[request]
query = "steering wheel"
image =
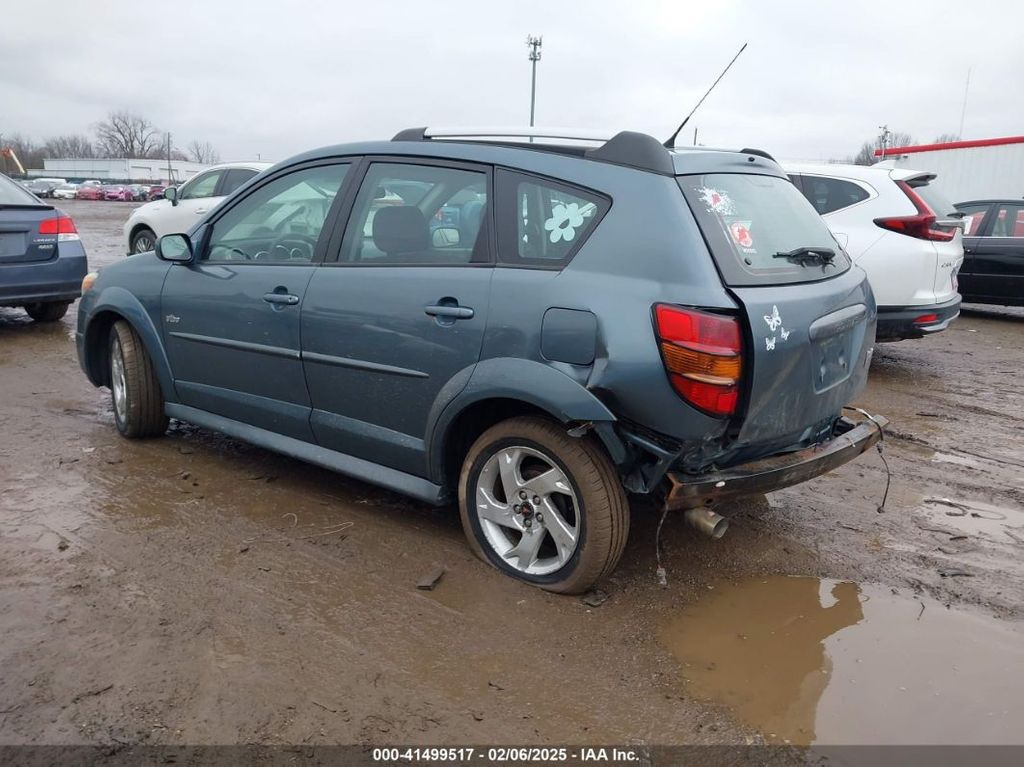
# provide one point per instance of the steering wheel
(288, 242)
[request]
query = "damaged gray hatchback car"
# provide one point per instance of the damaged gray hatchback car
(534, 328)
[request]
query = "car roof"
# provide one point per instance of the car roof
(249, 165)
(861, 172)
(994, 201)
(513, 147)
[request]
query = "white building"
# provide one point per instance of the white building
(968, 170)
(118, 170)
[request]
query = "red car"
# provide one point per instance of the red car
(89, 193)
(118, 192)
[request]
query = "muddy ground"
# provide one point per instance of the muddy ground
(197, 590)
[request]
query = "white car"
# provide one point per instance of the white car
(901, 231)
(183, 206)
(65, 191)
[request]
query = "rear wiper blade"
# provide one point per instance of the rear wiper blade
(805, 256)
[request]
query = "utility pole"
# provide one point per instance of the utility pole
(534, 44)
(963, 110)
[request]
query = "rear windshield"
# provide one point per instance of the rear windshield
(14, 194)
(934, 198)
(748, 219)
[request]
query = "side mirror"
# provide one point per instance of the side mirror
(171, 193)
(176, 248)
(445, 237)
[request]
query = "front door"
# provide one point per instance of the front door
(401, 310)
(231, 318)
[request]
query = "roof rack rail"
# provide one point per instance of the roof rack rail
(634, 150)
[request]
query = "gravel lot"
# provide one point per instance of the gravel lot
(198, 590)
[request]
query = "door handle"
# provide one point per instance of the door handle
(449, 312)
(287, 299)
(200, 211)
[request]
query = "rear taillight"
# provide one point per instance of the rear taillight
(702, 353)
(61, 226)
(923, 226)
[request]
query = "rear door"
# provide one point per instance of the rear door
(401, 310)
(810, 316)
(974, 224)
(999, 255)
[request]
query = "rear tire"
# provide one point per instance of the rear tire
(134, 388)
(574, 502)
(47, 311)
(143, 241)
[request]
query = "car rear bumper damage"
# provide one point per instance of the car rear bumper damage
(765, 475)
(899, 322)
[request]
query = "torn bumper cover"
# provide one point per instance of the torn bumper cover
(686, 491)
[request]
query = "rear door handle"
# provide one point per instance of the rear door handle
(286, 299)
(200, 211)
(451, 312)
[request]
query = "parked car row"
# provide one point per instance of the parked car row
(122, 192)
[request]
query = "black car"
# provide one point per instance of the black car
(993, 269)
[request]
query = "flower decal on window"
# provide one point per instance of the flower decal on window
(564, 221)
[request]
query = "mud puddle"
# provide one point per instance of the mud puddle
(815, 661)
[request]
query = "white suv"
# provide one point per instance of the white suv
(899, 229)
(185, 205)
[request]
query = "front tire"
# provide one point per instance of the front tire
(134, 388)
(47, 311)
(143, 241)
(542, 506)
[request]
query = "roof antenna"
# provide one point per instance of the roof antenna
(672, 139)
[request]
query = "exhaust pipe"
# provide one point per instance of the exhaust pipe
(708, 522)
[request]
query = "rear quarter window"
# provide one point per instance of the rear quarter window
(543, 223)
(748, 219)
(828, 195)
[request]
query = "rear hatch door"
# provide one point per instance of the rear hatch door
(945, 234)
(809, 316)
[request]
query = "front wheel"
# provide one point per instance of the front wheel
(542, 506)
(134, 388)
(47, 311)
(143, 241)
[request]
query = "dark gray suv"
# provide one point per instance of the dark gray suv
(536, 329)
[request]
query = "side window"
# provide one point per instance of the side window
(418, 215)
(828, 195)
(544, 223)
(202, 185)
(280, 222)
(1009, 221)
(234, 178)
(974, 216)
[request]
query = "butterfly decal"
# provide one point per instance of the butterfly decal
(773, 319)
(786, 334)
(769, 344)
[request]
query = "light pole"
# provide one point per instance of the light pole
(534, 44)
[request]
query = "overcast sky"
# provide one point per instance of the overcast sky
(277, 78)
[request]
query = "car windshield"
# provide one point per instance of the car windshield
(749, 219)
(13, 194)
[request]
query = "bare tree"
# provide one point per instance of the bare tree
(866, 154)
(901, 139)
(126, 134)
(69, 146)
(945, 138)
(203, 152)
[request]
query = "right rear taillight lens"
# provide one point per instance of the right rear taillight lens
(923, 226)
(702, 353)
